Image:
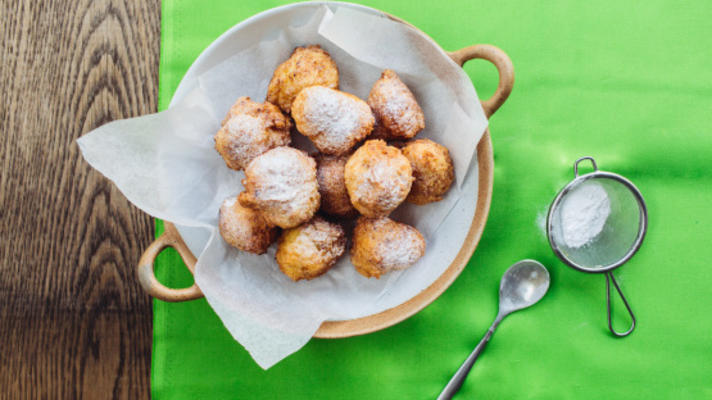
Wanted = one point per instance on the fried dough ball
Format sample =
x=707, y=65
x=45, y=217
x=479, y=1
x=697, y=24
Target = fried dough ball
x=432, y=169
x=334, y=121
x=250, y=129
x=398, y=115
x=378, y=178
x=282, y=185
x=310, y=249
x=334, y=197
x=381, y=245
x=245, y=228
x=307, y=66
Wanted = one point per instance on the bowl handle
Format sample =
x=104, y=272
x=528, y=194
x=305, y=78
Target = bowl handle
x=499, y=58
x=147, y=277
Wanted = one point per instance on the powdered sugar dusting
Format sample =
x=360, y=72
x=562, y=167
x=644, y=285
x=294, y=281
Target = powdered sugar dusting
x=378, y=178
x=401, y=252
x=395, y=106
x=243, y=137
x=327, y=237
x=399, y=106
x=229, y=202
x=246, y=124
x=283, y=177
x=387, y=179
x=245, y=128
x=402, y=249
x=335, y=117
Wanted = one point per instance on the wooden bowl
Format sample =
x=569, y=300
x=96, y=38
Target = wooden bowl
x=359, y=326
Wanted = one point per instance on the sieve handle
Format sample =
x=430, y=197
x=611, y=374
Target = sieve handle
x=576, y=163
x=609, y=277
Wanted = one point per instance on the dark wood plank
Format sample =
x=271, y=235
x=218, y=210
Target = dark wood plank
x=74, y=322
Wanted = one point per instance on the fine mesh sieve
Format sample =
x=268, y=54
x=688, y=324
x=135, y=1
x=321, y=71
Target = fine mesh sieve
x=611, y=210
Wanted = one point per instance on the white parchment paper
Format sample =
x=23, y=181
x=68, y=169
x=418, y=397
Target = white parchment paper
x=166, y=165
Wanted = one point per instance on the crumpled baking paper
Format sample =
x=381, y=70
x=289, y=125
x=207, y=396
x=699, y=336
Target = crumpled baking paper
x=165, y=164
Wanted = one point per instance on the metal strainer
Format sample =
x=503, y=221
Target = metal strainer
x=615, y=224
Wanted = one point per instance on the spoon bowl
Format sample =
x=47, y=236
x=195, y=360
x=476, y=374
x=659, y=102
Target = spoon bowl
x=524, y=284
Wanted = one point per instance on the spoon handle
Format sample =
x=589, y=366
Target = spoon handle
x=459, y=378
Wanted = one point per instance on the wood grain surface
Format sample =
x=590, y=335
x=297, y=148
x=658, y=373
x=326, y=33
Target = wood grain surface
x=74, y=322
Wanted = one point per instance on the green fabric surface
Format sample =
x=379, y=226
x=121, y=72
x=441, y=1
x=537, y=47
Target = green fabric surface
x=629, y=83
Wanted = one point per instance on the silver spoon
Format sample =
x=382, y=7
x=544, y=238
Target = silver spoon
x=522, y=285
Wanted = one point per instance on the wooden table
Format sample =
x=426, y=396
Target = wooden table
x=74, y=322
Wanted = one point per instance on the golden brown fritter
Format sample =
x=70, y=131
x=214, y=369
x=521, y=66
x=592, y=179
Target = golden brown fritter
x=307, y=66
x=250, y=129
x=381, y=245
x=334, y=197
x=244, y=228
x=398, y=115
x=282, y=185
x=334, y=121
x=310, y=249
x=432, y=169
x=378, y=178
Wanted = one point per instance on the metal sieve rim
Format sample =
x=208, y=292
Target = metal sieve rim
x=596, y=174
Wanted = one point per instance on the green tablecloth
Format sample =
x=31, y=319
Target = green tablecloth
x=629, y=83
